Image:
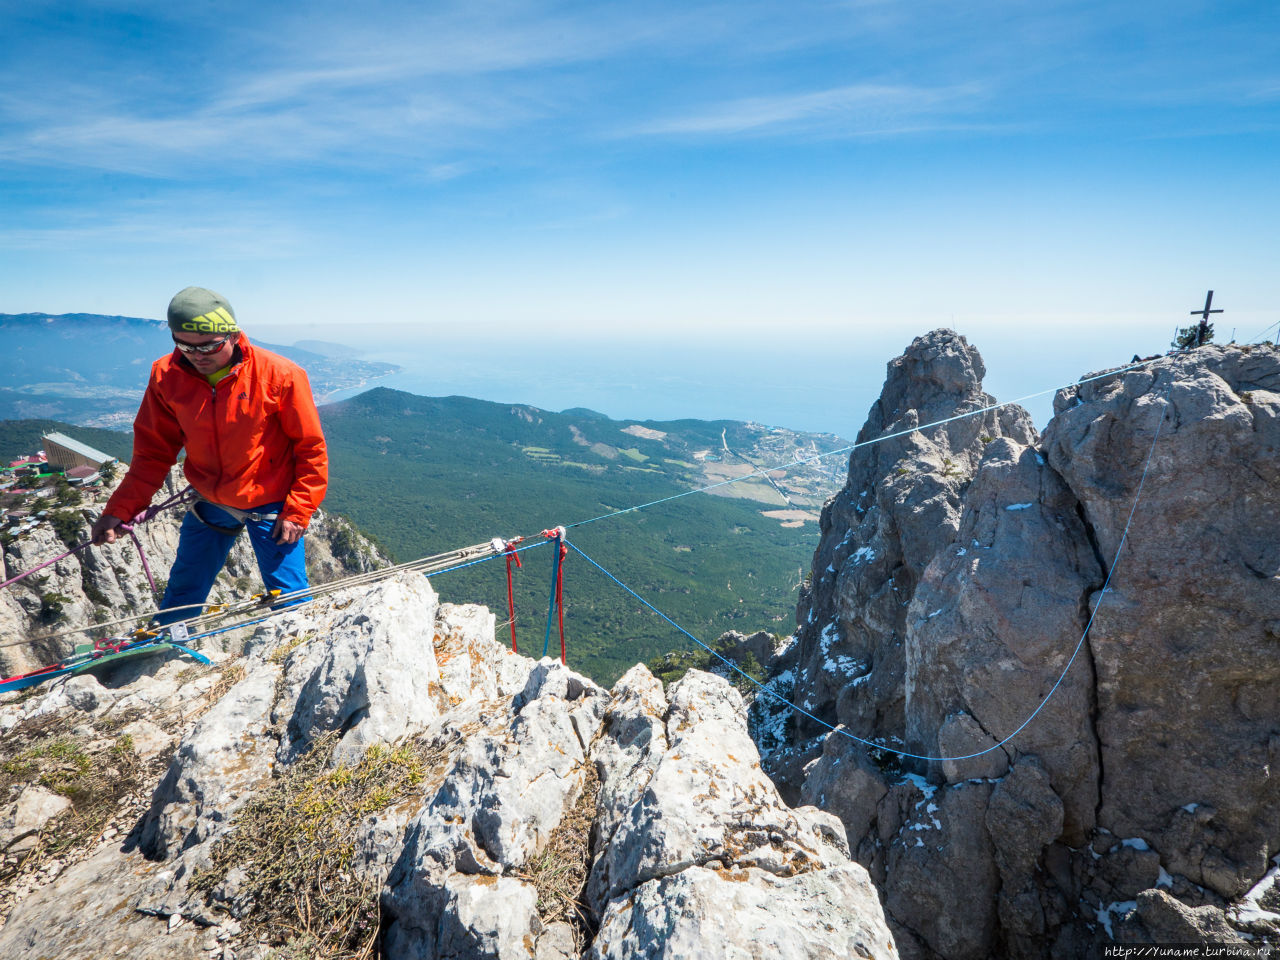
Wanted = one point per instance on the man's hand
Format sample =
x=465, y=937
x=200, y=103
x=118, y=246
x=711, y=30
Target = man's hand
x=286, y=531
x=104, y=529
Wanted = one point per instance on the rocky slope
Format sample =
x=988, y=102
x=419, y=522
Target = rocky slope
x=373, y=770
x=955, y=575
x=103, y=583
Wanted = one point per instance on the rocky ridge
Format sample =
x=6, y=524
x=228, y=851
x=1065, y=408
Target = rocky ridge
x=955, y=575
x=103, y=583
x=374, y=768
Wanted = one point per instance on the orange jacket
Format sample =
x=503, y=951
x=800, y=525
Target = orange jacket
x=251, y=440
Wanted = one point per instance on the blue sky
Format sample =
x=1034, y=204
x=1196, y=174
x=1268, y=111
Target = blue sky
x=848, y=173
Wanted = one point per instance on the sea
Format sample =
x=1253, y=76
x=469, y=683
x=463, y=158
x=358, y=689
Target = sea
x=822, y=387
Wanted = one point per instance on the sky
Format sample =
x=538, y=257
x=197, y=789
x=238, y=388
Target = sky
x=812, y=183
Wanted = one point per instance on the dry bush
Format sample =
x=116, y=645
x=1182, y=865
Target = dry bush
x=295, y=842
x=559, y=871
x=95, y=774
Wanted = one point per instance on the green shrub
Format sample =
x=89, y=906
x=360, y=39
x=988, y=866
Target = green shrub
x=1188, y=337
x=68, y=525
x=53, y=607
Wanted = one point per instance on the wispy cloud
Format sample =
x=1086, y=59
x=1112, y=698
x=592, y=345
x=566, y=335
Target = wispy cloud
x=352, y=90
x=854, y=110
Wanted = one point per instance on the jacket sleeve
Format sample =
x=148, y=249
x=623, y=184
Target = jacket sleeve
x=301, y=423
x=157, y=438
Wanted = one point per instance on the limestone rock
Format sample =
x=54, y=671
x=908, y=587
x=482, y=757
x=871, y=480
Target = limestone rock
x=708, y=800
x=744, y=914
x=369, y=679
x=217, y=766
x=21, y=824
x=940, y=857
x=1168, y=921
x=995, y=621
x=146, y=738
x=90, y=905
x=505, y=792
x=955, y=576
x=469, y=918
x=502, y=756
x=899, y=507
x=701, y=844
x=1187, y=673
x=102, y=583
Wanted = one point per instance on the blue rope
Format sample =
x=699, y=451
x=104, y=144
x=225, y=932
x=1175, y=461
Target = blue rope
x=1258, y=337
x=902, y=753
x=551, y=604
x=864, y=443
x=234, y=626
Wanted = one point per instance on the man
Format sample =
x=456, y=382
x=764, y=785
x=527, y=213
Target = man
x=255, y=453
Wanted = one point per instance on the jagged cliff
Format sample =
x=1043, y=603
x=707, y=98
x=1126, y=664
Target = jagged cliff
x=955, y=575
x=103, y=583
x=376, y=769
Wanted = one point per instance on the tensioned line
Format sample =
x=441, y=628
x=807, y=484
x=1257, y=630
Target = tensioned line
x=374, y=576
x=866, y=443
x=880, y=746
x=435, y=561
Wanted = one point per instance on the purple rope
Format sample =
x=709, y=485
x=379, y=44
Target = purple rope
x=142, y=555
x=143, y=517
x=60, y=556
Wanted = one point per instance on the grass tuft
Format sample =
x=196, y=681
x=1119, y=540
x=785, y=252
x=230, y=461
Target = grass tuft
x=294, y=841
x=559, y=871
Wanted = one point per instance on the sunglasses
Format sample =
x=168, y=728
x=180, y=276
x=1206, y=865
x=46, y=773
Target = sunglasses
x=212, y=347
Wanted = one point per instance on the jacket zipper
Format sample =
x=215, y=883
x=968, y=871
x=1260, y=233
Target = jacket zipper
x=217, y=445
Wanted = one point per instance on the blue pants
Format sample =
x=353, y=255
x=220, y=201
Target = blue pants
x=203, y=544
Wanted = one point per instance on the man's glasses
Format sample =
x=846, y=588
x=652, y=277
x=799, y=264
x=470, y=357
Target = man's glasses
x=212, y=347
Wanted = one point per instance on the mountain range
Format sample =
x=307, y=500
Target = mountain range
x=421, y=475
x=91, y=369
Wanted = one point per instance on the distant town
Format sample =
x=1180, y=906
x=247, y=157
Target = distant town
x=33, y=487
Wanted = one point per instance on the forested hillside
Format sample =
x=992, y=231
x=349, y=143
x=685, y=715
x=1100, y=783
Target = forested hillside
x=424, y=475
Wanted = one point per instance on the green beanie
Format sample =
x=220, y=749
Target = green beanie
x=197, y=310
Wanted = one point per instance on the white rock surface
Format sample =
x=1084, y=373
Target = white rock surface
x=21, y=823
x=688, y=834
x=747, y=915
x=705, y=859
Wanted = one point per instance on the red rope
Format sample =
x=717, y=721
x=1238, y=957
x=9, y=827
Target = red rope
x=556, y=603
x=511, y=594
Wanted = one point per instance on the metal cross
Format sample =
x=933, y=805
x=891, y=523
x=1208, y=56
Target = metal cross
x=1204, y=313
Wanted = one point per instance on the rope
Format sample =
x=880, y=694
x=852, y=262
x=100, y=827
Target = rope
x=902, y=753
x=865, y=443
x=1258, y=337
x=416, y=565
x=126, y=527
x=445, y=562
x=428, y=566
x=556, y=602
x=280, y=603
x=61, y=556
x=509, y=550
